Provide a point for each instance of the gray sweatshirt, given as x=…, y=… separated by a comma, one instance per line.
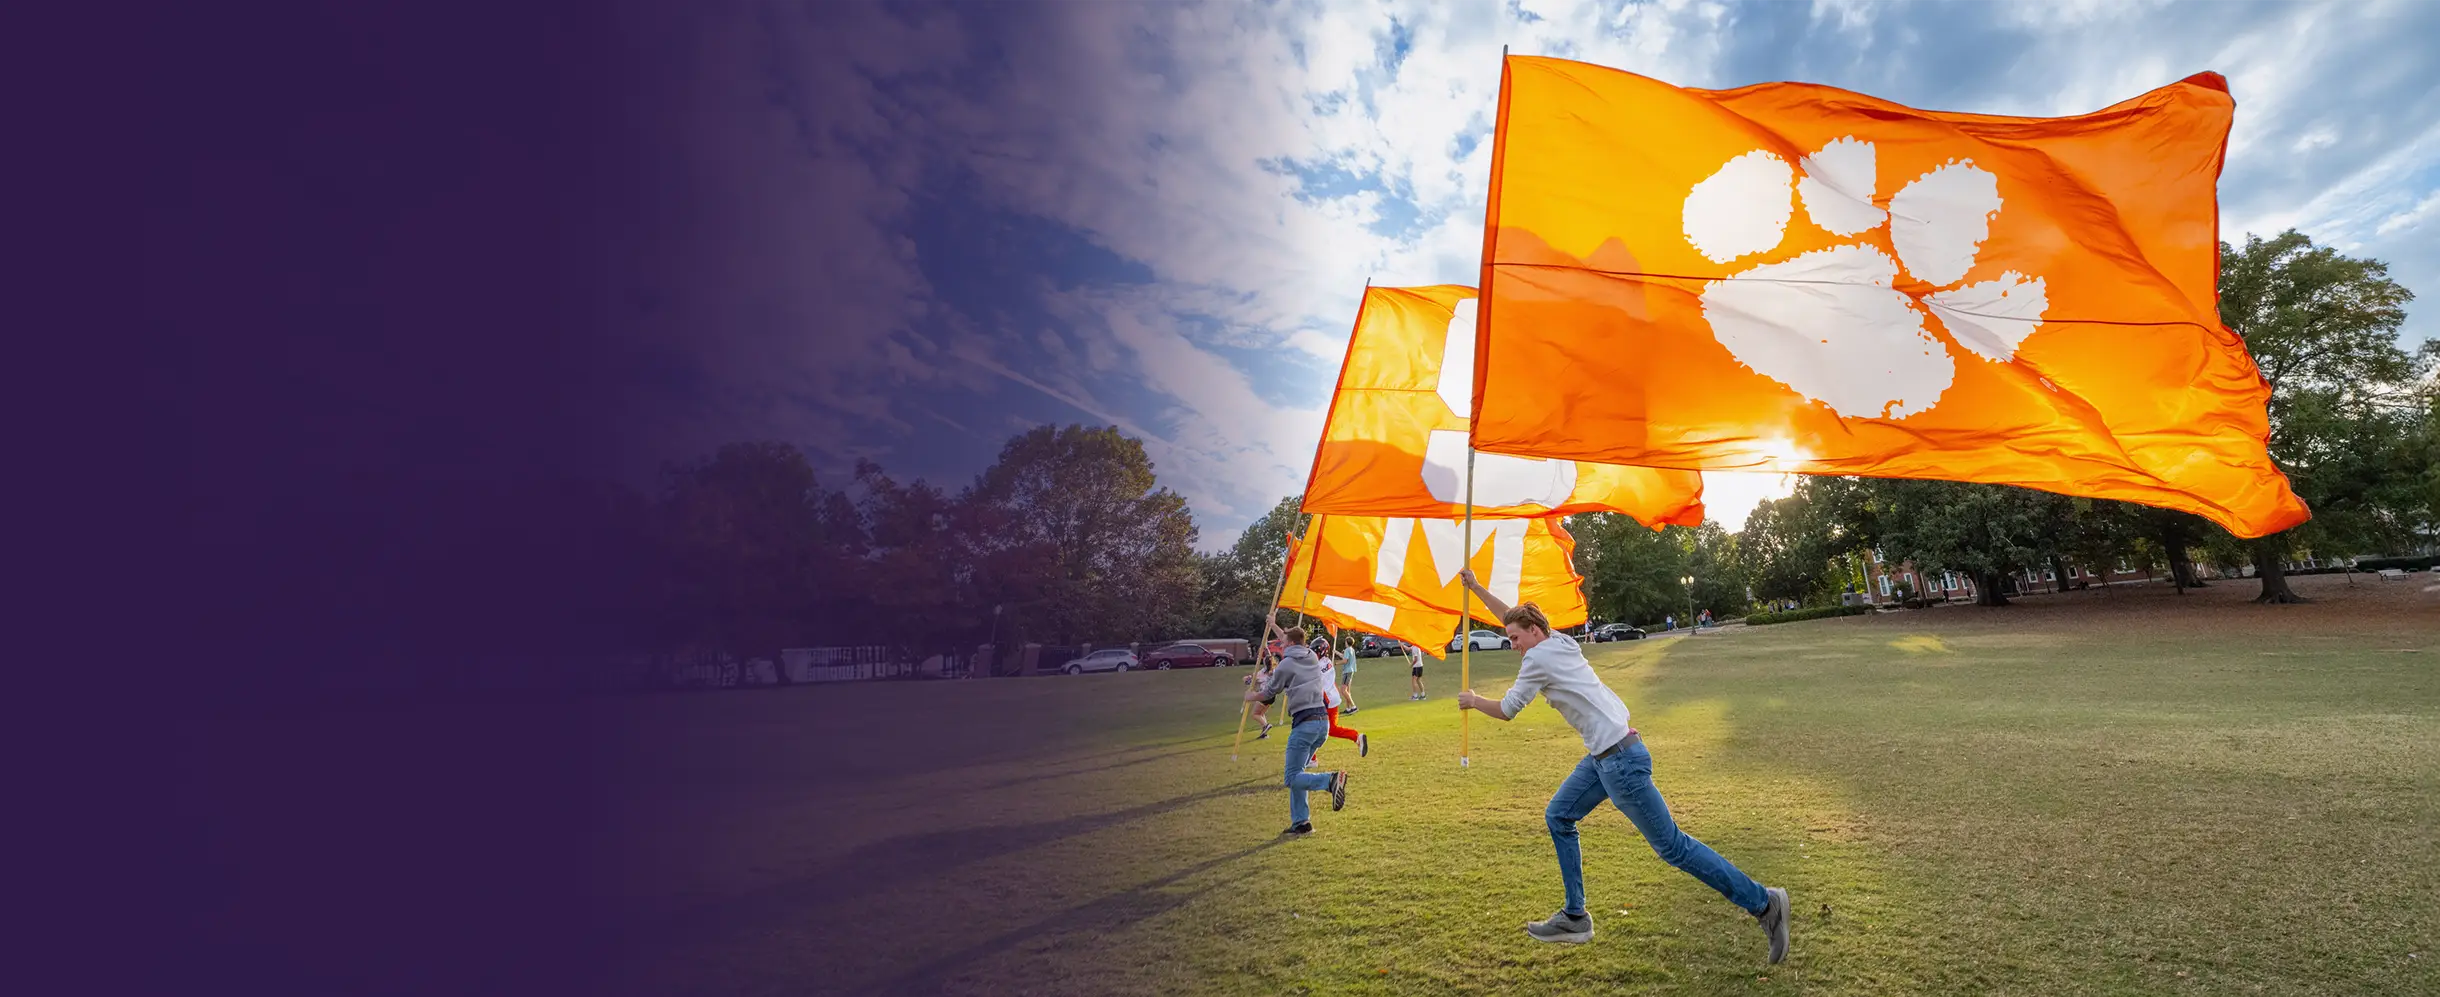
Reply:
x=1556, y=670
x=1303, y=677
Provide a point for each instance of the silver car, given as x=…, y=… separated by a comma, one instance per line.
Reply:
x=1484, y=640
x=1114, y=659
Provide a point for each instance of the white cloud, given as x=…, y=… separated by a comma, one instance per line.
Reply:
x=1227, y=236
x=1318, y=346
x=2411, y=217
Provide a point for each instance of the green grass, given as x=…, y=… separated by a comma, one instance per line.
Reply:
x=2101, y=793
x=1801, y=615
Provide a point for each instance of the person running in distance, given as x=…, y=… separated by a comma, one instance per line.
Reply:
x=1301, y=677
x=1347, y=675
x=1262, y=707
x=1616, y=767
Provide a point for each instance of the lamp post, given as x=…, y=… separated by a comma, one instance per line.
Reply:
x=1688, y=581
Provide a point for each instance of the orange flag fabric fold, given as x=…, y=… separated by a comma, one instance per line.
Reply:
x=1413, y=563
x=1426, y=628
x=1795, y=278
x=1394, y=443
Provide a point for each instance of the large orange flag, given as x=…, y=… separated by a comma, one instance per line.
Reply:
x=1402, y=562
x=1796, y=278
x=1394, y=443
x=1429, y=629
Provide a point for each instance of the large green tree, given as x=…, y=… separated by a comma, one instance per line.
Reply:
x=754, y=549
x=2322, y=327
x=916, y=586
x=1792, y=547
x=1987, y=531
x=1718, y=569
x=1073, y=520
x=1634, y=574
x=2099, y=534
x=1238, y=583
x=2174, y=535
x=2426, y=447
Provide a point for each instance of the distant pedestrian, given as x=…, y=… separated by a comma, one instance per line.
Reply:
x=1301, y=677
x=1616, y=767
x=1414, y=671
x=1347, y=675
x=1262, y=707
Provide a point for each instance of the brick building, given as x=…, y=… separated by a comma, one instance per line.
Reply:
x=1882, y=580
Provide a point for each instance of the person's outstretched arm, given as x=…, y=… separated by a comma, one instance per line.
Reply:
x=1499, y=610
x=1467, y=700
x=1530, y=680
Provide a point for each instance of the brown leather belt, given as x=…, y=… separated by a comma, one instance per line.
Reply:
x=1633, y=737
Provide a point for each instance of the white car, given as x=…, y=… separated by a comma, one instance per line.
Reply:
x=1116, y=659
x=1484, y=640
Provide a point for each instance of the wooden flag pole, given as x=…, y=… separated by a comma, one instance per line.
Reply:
x=1482, y=311
x=1262, y=641
x=1306, y=599
x=1465, y=617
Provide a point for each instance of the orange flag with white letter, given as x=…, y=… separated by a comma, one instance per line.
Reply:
x=1426, y=628
x=1795, y=278
x=1403, y=562
x=1394, y=443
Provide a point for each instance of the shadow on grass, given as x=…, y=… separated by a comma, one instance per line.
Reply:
x=1070, y=773
x=1117, y=911
x=882, y=865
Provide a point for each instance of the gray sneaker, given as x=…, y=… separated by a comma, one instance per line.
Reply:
x=1563, y=927
x=1338, y=790
x=1774, y=918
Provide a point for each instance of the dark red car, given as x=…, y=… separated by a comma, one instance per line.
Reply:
x=1186, y=656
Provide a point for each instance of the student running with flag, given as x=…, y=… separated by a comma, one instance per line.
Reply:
x=1616, y=767
x=1332, y=697
x=1301, y=677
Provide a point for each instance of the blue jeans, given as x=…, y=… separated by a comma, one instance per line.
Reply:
x=1303, y=741
x=1625, y=779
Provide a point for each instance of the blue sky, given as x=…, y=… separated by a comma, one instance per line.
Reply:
x=909, y=233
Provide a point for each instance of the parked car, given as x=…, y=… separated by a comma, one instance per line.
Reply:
x=1381, y=647
x=1186, y=656
x=1116, y=659
x=1483, y=640
x=1617, y=631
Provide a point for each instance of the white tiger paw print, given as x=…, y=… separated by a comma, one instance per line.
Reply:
x=1829, y=323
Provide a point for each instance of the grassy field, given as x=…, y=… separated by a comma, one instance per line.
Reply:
x=2122, y=792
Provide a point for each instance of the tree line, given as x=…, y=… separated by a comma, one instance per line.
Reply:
x=1067, y=537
